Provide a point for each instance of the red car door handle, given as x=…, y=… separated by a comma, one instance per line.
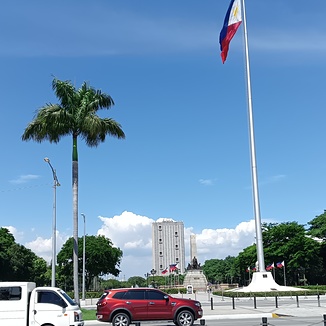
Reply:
x=151, y=303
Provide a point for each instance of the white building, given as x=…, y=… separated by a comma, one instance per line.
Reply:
x=168, y=245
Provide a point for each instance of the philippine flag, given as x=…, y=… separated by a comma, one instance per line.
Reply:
x=165, y=271
x=173, y=267
x=232, y=22
x=270, y=267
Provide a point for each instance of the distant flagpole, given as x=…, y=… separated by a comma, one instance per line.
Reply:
x=284, y=273
x=259, y=236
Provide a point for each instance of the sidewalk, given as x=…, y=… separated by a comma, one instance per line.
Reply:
x=265, y=307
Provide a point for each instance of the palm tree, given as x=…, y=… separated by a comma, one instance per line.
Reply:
x=75, y=115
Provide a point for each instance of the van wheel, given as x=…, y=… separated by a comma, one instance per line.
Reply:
x=121, y=319
x=185, y=318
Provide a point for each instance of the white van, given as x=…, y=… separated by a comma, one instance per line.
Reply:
x=24, y=304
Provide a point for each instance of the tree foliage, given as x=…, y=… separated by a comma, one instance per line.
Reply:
x=317, y=227
x=17, y=263
x=221, y=270
x=101, y=258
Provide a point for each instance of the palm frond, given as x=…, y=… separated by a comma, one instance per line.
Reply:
x=95, y=129
x=51, y=123
x=65, y=92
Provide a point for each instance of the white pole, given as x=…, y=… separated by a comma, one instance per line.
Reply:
x=84, y=247
x=54, y=220
x=259, y=236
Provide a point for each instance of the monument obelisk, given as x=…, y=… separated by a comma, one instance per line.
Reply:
x=194, y=274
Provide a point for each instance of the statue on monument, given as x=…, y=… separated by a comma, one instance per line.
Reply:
x=194, y=264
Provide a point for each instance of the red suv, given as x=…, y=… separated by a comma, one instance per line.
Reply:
x=124, y=306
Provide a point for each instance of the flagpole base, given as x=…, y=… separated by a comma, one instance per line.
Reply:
x=264, y=282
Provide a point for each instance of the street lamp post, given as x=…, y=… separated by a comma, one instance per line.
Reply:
x=153, y=272
x=84, y=247
x=54, y=220
x=146, y=276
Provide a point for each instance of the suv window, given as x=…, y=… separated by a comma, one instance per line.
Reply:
x=134, y=295
x=119, y=295
x=155, y=295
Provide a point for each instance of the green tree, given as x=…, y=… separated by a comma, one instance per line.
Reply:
x=221, y=270
x=75, y=115
x=17, y=263
x=318, y=227
x=137, y=281
x=286, y=242
x=289, y=242
x=101, y=258
x=112, y=284
x=6, y=241
x=41, y=272
x=246, y=258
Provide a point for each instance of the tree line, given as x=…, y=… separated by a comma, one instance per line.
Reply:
x=18, y=263
x=301, y=249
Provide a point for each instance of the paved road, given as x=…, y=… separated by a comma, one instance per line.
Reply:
x=224, y=308
x=282, y=321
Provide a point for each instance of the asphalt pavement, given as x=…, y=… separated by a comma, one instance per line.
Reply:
x=221, y=307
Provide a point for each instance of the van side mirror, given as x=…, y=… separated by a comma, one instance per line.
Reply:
x=166, y=297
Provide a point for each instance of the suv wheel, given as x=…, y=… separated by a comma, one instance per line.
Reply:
x=185, y=318
x=121, y=319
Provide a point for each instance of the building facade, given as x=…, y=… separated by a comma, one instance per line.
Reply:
x=168, y=245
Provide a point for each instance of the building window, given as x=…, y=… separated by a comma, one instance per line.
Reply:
x=177, y=259
x=176, y=233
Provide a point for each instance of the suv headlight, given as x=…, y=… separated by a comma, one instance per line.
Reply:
x=198, y=304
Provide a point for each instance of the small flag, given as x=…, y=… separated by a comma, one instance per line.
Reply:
x=165, y=271
x=173, y=267
x=280, y=264
x=270, y=267
x=232, y=22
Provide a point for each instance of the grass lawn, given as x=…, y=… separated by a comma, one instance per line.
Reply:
x=89, y=314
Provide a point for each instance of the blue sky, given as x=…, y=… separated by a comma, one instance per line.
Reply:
x=184, y=113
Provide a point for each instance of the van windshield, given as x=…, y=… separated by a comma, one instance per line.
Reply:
x=66, y=296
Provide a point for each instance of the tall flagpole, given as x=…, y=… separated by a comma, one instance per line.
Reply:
x=259, y=236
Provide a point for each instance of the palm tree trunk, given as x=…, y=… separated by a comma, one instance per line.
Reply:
x=75, y=217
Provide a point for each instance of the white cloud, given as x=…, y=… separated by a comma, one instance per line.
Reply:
x=43, y=247
x=24, y=178
x=128, y=231
x=132, y=233
x=206, y=182
x=273, y=179
x=18, y=235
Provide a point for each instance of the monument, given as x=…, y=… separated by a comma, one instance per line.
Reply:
x=194, y=274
